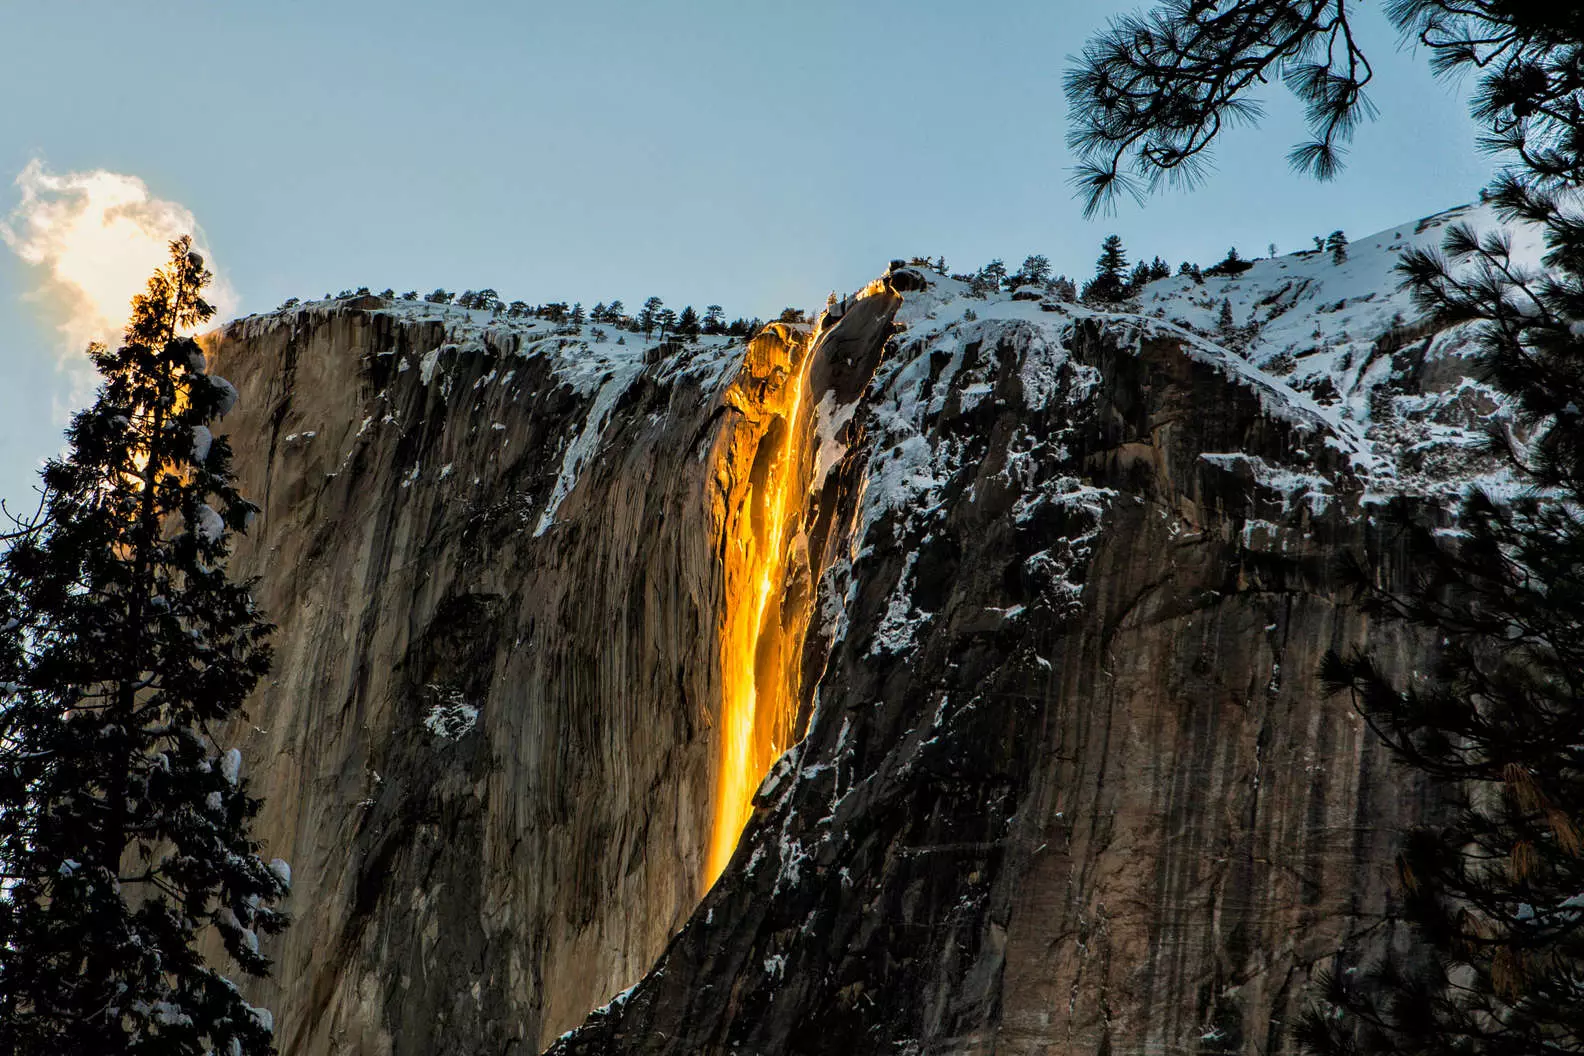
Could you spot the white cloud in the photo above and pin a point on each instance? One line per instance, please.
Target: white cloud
(94, 238)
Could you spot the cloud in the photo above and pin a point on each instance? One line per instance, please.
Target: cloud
(94, 238)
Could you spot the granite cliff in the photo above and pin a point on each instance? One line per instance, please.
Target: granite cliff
(1018, 603)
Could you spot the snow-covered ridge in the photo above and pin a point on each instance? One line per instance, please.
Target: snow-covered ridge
(1336, 348)
(597, 363)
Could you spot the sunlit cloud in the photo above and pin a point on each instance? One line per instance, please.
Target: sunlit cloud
(93, 239)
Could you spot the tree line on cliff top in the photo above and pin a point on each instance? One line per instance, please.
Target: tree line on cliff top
(1492, 889)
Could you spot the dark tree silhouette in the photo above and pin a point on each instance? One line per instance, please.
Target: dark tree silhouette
(125, 652)
(1111, 271)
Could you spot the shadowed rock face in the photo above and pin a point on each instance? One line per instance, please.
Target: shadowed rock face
(1068, 783)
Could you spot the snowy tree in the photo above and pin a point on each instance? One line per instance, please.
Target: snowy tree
(714, 319)
(1336, 243)
(1225, 322)
(1111, 273)
(1139, 277)
(1232, 264)
(439, 296)
(989, 278)
(687, 324)
(1159, 269)
(126, 652)
(649, 314)
(666, 319)
(577, 315)
(1035, 270)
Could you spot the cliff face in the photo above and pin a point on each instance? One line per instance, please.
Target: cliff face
(1038, 592)
(487, 737)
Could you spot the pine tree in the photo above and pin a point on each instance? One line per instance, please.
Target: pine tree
(1110, 279)
(714, 319)
(992, 276)
(577, 316)
(1035, 270)
(1159, 269)
(687, 324)
(666, 318)
(1225, 322)
(1492, 888)
(1337, 244)
(614, 311)
(126, 651)
(649, 314)
(1139, 278)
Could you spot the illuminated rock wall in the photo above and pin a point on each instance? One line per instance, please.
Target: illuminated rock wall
(492, 745)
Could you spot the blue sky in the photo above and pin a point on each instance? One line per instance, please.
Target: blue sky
(749, 154)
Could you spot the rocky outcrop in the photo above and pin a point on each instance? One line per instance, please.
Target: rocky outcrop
(1045, 623)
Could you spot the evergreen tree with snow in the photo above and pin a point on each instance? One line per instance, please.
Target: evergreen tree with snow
(687, 324)
(1232, 264)
(126, 653)
(714, 319)
(1226, 322)
(989, 278)
(577, 317)
(614, 311)
(1336, 244)
(1488, 953)
(1035, 270)
(649, 314)
(1139, 278)
(1111, 271)
(1159, 269)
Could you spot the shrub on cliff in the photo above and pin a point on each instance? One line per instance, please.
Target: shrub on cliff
(125, 651)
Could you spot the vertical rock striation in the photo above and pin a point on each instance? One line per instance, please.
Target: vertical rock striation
(498, 561)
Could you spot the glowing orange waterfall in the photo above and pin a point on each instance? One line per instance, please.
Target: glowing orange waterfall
(761, 633)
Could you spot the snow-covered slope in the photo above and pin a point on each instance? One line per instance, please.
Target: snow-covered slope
(1350, 338)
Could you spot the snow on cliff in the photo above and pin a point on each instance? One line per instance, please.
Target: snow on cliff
(1337, 347)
